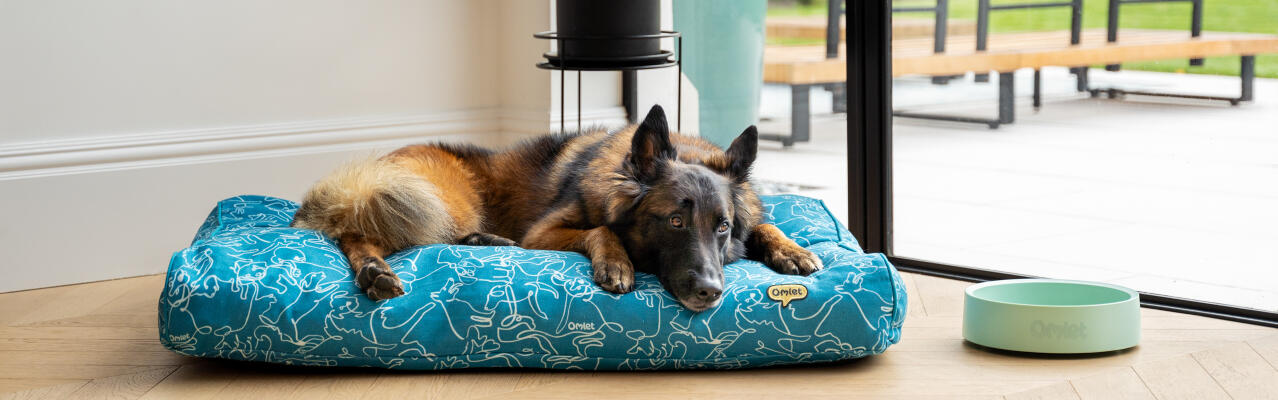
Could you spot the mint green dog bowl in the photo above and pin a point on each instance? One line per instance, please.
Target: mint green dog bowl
(1051, 316)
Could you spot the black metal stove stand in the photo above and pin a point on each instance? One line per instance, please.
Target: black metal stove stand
(561, 61)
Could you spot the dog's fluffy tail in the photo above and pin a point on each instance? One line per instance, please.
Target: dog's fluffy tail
(380, 201)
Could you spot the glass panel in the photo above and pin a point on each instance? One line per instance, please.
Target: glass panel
(1170, 195)
(792, 107)
(722, 46)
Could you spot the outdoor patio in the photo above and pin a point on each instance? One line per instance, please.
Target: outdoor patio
(1163, 195)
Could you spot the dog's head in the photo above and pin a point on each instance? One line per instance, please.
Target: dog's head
(692, 213)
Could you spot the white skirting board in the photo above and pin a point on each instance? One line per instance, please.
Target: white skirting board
(87, 210)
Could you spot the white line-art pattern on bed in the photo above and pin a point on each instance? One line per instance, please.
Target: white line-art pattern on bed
(252, 288)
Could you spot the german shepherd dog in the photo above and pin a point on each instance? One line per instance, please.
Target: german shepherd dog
(638, 199)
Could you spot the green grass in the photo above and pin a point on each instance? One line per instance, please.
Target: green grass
(817, 8)
(1252, 16)
(795, 41)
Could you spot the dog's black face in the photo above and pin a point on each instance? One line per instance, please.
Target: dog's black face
(684, 228)
(682, 232)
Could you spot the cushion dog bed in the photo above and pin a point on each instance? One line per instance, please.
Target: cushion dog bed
(251, 288)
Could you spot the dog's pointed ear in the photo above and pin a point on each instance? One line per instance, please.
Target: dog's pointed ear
(741, 154)
(651, 147)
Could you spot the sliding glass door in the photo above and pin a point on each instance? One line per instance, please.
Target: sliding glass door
(994, 139)
(1052, 142)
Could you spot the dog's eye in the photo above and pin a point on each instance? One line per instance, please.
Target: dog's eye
(676, 221)
(723, 227)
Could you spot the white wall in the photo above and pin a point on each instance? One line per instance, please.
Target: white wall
(524, 90)
(657, 86)
(83, 68)
(123, 122)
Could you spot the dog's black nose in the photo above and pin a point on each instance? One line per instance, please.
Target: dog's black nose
(708, 291)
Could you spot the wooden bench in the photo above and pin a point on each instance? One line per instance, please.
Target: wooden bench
(814, 28)
(804, 66)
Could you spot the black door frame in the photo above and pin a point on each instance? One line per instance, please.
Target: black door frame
(869, 94)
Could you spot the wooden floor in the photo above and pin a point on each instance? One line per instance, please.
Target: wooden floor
(98, 340)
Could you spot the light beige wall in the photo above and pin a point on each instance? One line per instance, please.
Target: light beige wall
(531, 95)
(122, 122)
(82, 68)
(524, 89)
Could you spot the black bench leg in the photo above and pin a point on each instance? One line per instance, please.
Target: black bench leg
(1080, 75)
(1038, 89)
(1196, 27)
(839, 91)
(945, 79)
(800, 115)
(1247, 73)
(1006, 107)
(1006, 98)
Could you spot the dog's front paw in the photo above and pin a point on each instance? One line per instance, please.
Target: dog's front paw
(377, 280)
(614, 273)
(790, 258)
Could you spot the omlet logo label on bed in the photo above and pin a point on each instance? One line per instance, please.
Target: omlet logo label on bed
(787, 293)
(581, 326)
(1064, 330)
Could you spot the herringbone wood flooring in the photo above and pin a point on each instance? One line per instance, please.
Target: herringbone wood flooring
(98, 340)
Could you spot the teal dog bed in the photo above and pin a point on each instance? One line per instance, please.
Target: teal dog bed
(252, 288)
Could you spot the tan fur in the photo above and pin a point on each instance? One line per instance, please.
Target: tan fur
(384, 202)
(454, 180)
(605, 191)
(612, 267)
(778, 251)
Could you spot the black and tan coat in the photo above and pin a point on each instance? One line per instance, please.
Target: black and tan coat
(636, 199)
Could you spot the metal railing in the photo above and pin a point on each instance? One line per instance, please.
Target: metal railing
(983, 9)
(1195, 23)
